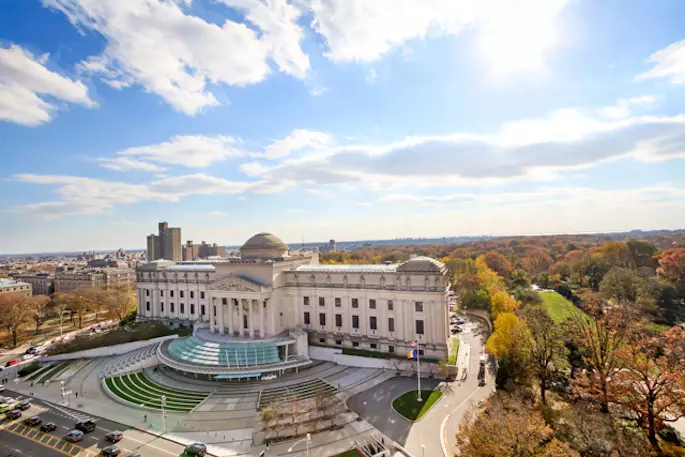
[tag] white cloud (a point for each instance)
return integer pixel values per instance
(317, 91)
(127, 164)
(371, 77)
(25, 82)
(218, 213)
(298, 140)
(533, 149)
(94, 196)
(623, 108)
(669, 63)
(361, 30)
(192, 151)
(177, 55)
(199, 184)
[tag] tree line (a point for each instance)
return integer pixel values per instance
(17, 310)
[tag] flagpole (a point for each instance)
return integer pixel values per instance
(418, 370)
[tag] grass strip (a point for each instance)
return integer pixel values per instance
(408, 405)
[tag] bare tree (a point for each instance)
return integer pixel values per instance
(61, 302)
(39, 309)
(14, 313)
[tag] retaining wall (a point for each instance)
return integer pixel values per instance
(106, 351)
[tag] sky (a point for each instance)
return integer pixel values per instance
(343, 119)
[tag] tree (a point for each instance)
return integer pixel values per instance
(39, 309)
(119, 300)
(672, 268)
(502, 302)
(61, 303)
(499, 264)
(617, 254)
(650, 387)
(506, 344)
(15, 312)
(536, 261)
(85, 299)
(544, 347)
(620, 284)
(598, 338)
(594, 266)
(642, 254)
(509, 427)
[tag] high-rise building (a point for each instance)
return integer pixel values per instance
(165, 245)
(193, 251)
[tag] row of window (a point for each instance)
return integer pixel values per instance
(172, 308)
(418, 306)
(355, 344)
(171, 293)
(373, 322)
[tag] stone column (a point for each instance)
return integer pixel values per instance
(250, 317)
(262, 322)
(212, 304)
(230, 316)
(240, 325)
(220, 315)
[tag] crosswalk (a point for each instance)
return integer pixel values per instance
(47, 440)
(70, 413)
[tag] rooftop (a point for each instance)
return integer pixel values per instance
(6, 283)
(191, 267)
(383, 268)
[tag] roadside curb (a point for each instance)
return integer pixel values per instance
(424, 414)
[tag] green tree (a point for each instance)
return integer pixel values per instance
(642, 254)
(620, 284)
(545, 348)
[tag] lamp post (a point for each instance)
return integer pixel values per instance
(308, 439)
(163, 414)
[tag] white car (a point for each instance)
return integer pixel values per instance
(269, 377)
(2, 388)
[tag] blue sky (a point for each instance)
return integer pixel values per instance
(345, 119)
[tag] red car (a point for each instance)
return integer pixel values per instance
(12, 362)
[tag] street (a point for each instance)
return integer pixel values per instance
(16, 438)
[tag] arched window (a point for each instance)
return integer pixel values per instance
(382, 281)
(328, 280)
(407, 282)
(345, 281)
(362, 281)
(312, 280)
(426, 283)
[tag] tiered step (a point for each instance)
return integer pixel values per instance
(138, 389)
(302, 391)
(131, 361)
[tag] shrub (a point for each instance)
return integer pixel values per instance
(28, 369)
(142, 331)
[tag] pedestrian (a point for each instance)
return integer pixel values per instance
(145, 418)
(76, 395)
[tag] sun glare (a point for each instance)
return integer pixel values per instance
(517, 43)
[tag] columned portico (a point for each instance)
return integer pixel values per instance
(262, 323)
(212, 318)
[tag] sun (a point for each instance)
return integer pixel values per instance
(517, 41)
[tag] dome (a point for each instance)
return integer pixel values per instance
(422, 265)
(264, 246)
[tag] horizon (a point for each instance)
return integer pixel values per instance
(330, 119)
(310, 244)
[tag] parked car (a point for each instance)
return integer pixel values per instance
(6, 400)
(12, 362)
(33, 420)
(13, 414)
(460, 321)
(456, 330)
(269, 377)
(85, 426)
(74, 436)
(27, 356)
(114, 436)
(24, 405)
(2, 387)
(195, 449)
(32, 350)
(110, 451)
(48, 427)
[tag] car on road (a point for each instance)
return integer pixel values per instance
(12, 362)
(456, 330)
(33, 420)
(48, 427)
(110, 451)
(85, 426)
(6, 400)
(74, 436)
(13, 414)
(195, 449)
(114, 436)
(269, 377)
(24, 405)
(2, 388)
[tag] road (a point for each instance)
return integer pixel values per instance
(27, 442)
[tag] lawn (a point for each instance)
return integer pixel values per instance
(455, 350)
(407, 405)
(557, 306)
(350, 453)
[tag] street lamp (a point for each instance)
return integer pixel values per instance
(163, 414)
(308, 439)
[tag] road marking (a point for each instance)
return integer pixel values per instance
(52, 442)
(151, 446)
(64, 426)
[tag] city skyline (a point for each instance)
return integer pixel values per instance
(321, 119)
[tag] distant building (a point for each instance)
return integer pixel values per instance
(201, 251)
(330, 247)
(107, 263)
(10, 286)
(101, 279)
(41, 283)
(166, 244)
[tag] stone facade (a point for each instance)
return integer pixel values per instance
(41, 283)
(166, 244)
(102, 279)
(267, 291)
(12, 286)
(193, 251)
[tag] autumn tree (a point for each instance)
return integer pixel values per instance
(650, 387)
(506, 344)
(536, 261)
(598, 335)
(545, 348)
(509, 427)
(15, 312)
(642, 254)
(617, 254)
(620, 284)
(39, 305)
(594, 267)
(499, 264)
(672, 268)
(85, 299)
(502, 302)
(119, 300)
